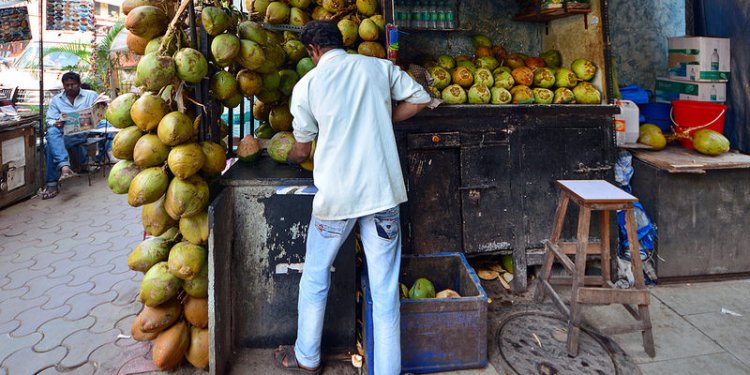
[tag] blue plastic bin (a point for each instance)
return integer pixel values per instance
(657, 114)
(437, 334)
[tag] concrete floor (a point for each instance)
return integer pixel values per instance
(67, 300)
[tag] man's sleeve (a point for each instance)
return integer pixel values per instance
(304, 125)
(53, 113)
(405, 88)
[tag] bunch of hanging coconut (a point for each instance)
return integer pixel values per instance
(164, 170)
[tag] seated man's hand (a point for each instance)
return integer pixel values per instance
(59, 124)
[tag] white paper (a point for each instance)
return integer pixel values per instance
(13, 153)
(16, 177)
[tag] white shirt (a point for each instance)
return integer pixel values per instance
(347, 101)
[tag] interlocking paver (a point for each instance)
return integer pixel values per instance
(13, 344)
(13, 293)
(81, 304)
(45, 259)
(39, 285)
(124, 325)
(107, 313)
(109, 357)
(121, 265)
(66, 266)
(4, 281)
(27, 361)
(74, 245)
(15, 265)
(138, 364)
(83, 251)
(56, 330)
(105, 281)
(10, 308)
(84, 274)
(83, 343)
(33, 318)
(9, 326)
(101, 257)
(128, 290)
(61, 293)
(20, 277)
(105, 236)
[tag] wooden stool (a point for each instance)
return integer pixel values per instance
(595, 195)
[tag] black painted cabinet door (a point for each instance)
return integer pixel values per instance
(486, 198)
(433, 182)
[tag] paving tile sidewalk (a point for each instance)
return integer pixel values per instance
(66, 294)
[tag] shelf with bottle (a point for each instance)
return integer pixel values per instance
(427, 15)
(548, 10)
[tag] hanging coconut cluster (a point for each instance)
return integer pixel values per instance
(273, 61)
(164, 170)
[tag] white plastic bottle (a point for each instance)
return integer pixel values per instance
(626, 123)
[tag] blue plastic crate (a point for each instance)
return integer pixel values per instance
(437, 334)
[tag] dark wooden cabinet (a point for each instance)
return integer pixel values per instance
(480, 179)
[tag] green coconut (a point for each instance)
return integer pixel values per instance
(159, 285)
(186, 260)
(121, 175)
(154, 45)
(190, 65)
(280, 146)
(224, 48)
(257, 6)
(479, 94)
(710, 142)
(249, 82)
(186, 197)
(349, 31)
(149, 252)
(194, 229)
(149, 151)
(147, 111)
(373, 49)
(264, 131)
(277, 13)
(216, 158)
(147, 21)
(148, 186)
(298, 17)
(268, 96)
(154, 72)
(274, 58)
(586, 93)
(118, 111)
(251, 55)
(249, 149)
(223, 85)
(422, 288)
(155, 219)
(500, 95)
(175, 128)
(128, 5)
(305, 65)
(197, 286)
(186, 160)
(171, 234)
(233, 101)
(368, 30)
(159, 318)
(334, 6)
(367, 7)
(281, 118)
(261, 110)
(252, 31)
(288, 78)
(215, 20)
(295, 50)
(454, 94)
(124, 142)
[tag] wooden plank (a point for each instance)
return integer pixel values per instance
(566, 262)
(568, 280)
(555, 297)
(682, 160)
(624, 328)
(606, 296)
(595, 191)
(569, 247)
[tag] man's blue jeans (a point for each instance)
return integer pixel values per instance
(381, 237)
(56, 150)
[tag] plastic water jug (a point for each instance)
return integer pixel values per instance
(626, 123)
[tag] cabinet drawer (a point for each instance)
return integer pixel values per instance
(433, 140)
(485, 138)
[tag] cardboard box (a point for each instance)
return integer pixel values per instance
(668, 89)
(699, 59)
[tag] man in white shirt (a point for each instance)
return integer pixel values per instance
(346, 101)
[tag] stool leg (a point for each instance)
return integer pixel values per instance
(606, 260)
(576, 313)
(635, 260)
(549, 257)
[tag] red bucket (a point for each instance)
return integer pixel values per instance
(689, 116)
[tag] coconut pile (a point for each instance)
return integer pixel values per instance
(165, 169)
(494, 76)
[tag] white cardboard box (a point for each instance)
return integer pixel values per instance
(699, 58)
(668, 89)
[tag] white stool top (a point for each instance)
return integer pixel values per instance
(596, 191)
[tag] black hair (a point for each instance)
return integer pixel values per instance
(71, 76)
(86, 86)
(324, 34)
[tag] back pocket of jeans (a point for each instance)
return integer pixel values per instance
(330, 228)
(387, 223)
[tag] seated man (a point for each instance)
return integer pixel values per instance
(73, 98)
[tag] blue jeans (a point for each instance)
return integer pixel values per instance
(56, 150)
(106, 146)
(381, 237)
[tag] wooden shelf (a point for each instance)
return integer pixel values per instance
(547, 15)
